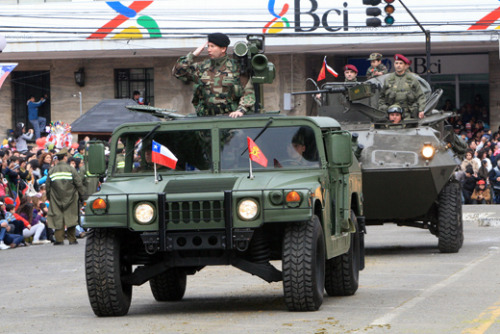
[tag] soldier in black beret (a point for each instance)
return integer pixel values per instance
(219, 87)
(219, 39)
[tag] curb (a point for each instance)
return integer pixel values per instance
(486, 219)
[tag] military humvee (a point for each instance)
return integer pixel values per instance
(408, 168)
(216, 207)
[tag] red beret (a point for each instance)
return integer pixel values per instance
(481, 182)
(8, 200)
(402, 58)
(350, 67)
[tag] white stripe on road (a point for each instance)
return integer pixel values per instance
(390, 316)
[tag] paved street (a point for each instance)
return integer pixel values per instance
(407, 287)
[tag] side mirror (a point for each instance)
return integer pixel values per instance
(95, 159)
(339, 146)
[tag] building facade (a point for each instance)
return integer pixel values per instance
(117, 47)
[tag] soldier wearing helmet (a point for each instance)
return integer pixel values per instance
(376, 68)
(395, 114)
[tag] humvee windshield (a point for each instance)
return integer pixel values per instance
(192, 148)
(284, 147)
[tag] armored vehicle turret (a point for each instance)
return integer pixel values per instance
(407, 168)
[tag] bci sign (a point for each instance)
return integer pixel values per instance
(443, 64)
(420, 66)
(320, 19)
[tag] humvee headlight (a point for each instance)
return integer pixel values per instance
(428, 151)
(248, 209)
(144, 213)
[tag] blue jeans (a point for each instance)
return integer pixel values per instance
(38, 125)
(3, 230)
(10, 239)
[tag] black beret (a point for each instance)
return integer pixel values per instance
(219, 39)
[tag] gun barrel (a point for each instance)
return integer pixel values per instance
(329, 90)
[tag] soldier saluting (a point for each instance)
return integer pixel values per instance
(402, 88)
(219, 87)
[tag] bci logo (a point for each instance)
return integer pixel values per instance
(421, 66)
(308, 13)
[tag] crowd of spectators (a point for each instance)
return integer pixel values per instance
(23, 201)
(479, 171)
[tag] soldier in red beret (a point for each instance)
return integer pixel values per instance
(350, 73)
(402, 88)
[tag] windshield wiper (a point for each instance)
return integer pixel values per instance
(149, 134)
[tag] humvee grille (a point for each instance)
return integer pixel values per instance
(198, 212)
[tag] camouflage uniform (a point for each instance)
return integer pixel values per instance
(405, 91)
(218, 86)
(371, 70)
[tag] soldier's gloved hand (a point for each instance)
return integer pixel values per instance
(421, 115)
(236, 114)
(197, 52)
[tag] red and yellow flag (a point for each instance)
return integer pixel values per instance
(255, 153)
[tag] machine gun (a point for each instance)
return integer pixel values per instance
(254, 63)
(343, 98)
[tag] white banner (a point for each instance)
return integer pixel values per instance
(181, 21)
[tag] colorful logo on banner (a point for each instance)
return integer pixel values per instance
(279, 22)
(487, 21)
(5, 70)
(124, 14)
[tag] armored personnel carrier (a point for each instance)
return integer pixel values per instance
(296, 198)
(408, 168)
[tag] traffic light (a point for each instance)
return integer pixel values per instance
(389, 10)
(373, 12)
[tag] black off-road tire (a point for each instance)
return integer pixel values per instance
(304, 265)
(342, 272)
(104, 268)
(450, 224)
(169, 286)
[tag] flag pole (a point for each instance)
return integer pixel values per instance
(251, 176)
(156, 178)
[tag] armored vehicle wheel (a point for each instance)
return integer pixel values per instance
(342, 272)
(450, 225)
(169, 286)
(304, 265)
(104, 268)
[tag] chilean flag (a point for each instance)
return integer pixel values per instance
(324, 68)
(5, 70)
(163, 156)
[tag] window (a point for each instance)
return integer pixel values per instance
(131, 79)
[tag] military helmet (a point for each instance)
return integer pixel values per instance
(395, 108)
(375, 56)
